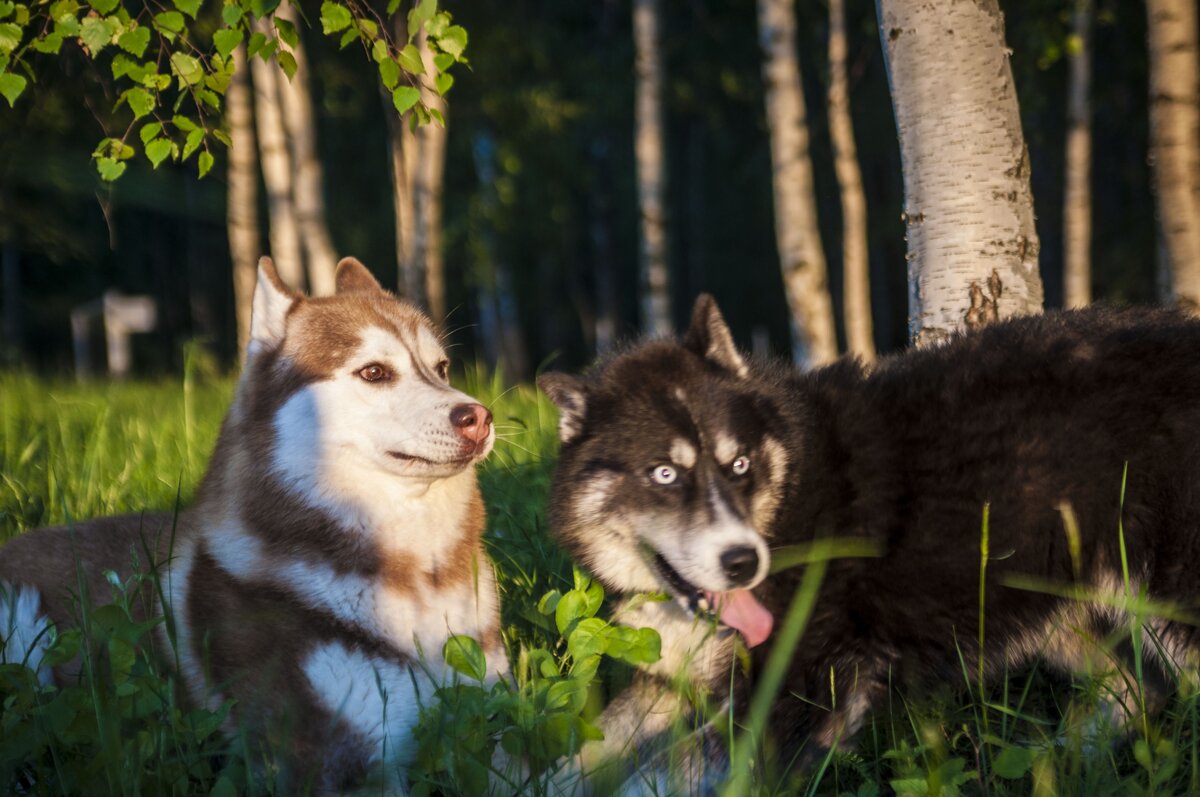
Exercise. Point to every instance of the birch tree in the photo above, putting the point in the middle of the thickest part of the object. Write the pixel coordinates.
(1077, 197)
(242, 204)
(972, 247)
(418, 157)
(651, 168)
(801, 257)
(1175, 140)
(856, 285)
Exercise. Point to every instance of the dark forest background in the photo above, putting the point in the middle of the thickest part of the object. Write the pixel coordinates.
(552, 83)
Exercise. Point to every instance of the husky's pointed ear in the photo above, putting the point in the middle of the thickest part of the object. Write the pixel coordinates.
(352, 276)
(709, 337)
(569, 394)
(272, 300)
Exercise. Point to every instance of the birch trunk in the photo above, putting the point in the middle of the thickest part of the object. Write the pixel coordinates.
(241, 212)
(309, 189)
(801, 258)
(1175, 140)
(651, 168)
(277, 169)
(856, 284)
(972, 246)
(418, 174)
(1077, 197)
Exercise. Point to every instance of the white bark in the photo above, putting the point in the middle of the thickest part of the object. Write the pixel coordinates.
(242, 208)
(651, 168)
(1077, 197)
(276, 160)
(972, 246)
(309, 189)
(418, 174)
(856, 283)
(1175, 140)
(801, 257)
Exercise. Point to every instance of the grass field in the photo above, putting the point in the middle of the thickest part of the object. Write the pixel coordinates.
(70, 451)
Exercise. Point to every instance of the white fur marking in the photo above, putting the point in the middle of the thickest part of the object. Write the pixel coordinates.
(725, 448)
(24, 630)
(683, 453)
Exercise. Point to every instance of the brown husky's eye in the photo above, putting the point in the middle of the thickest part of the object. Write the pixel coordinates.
(375, 373)
(443, 370)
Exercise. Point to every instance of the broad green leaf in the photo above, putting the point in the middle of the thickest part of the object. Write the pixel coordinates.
(410, 59)
(588, 638)
(389, 73)
(11, 87)
(170, 21)
(141, 102)
(443, 82)
(593, 595)
(570, 608)
(97, 33)
(135, 41)
(437, 26)
(454, 40)
(443, 61)
(334, 17)
(369, 29)
(206, 162)
(67, 25)
(189, 7)
(183, 123)
(104, 7)
(6, 9)
(549, 601)
(22, 14)
(209, 98)
(569, 695)
(585, 669)
(223, 788)
(379, 51)
(10, 36)
(405, 97)
(392, 6)
(50, 43)
(226, 40)
(109, 168)
(436, 115)
(464, 655)
(187, 68)
(192, 143)
(257, 40)
(231, 14)
(287, 62)
(419, 15)
(1013, 762)
(222, 136)
(287, 31)
(348, 38)
(157, 150)
(150, 130)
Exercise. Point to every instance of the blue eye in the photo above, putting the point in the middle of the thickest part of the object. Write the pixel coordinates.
(664, 474)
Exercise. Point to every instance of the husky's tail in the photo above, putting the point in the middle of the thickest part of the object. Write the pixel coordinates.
(24, 631)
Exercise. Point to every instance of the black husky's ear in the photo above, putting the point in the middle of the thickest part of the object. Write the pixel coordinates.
(352, 276)
(709, 337)
(570, 396)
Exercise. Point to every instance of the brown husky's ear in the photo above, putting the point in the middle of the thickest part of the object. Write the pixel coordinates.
(569, 394)
(709, 337)
(272, 301)
(353, 276)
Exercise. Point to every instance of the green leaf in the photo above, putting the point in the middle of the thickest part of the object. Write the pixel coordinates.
(453, 41)
(334, 17)
(109, 168)
(11, 87)
(392, 6)
(187, 68)
(150, 130)
(189, 7)
(405, 97)
(6, 9)
(436, 116)
(443, 61)
(157, 150)
(443, 83)
(141, 102)
(97, 33)
(410, 59)
(1013, 762)
(193, 142)
(389, 73)
(50, 43)
(421, 14)
(379, 51)
(10, 36)
(588, 638)
(135, 41)
(206, 162)
(464, 655)
(257, 40)
(226, 40)
(183, 123)
(570, 608)
(169, 21)
(569, 696)
(549, 601)
(348, 38)
(287, 31)
(287, 62)
(437, 26)
(104, 7)
(231, 14)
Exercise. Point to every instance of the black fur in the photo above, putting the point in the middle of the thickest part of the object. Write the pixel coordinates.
(1025, 415)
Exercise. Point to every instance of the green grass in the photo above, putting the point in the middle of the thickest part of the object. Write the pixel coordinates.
(72, 451)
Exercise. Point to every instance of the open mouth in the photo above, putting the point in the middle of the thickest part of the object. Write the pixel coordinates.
(737, 608)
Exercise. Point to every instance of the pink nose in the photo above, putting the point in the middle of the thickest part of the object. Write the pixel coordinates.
(472, 421)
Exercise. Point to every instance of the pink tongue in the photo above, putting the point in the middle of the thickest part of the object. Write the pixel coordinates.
(740, 610)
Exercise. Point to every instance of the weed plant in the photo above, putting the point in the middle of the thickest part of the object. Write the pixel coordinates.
(71, 451)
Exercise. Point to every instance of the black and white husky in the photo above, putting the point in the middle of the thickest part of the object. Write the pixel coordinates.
(334, 546)
(683, 464)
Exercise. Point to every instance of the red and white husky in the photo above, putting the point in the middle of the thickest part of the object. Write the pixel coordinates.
(335, 544)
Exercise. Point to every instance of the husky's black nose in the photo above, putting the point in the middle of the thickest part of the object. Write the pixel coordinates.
(740, 564)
